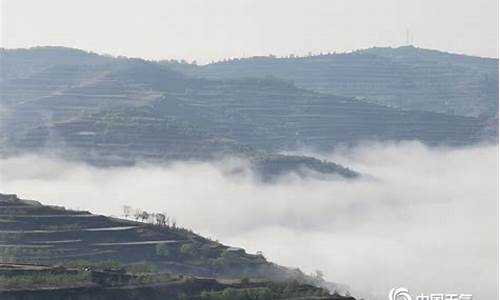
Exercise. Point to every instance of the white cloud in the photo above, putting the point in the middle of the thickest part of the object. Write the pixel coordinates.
(425, 220)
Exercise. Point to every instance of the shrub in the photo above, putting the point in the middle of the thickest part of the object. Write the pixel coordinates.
(244, 281)
(162, 250)
(188, 250)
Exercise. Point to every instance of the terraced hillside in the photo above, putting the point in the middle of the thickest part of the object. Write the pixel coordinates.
(406, 77)
(116, 110)
(110, 115)
(49, 252)
(275, 115)
(82, 281)
(34, 233)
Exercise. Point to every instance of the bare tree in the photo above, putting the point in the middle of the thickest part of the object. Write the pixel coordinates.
(137, 215)
(160, 219)
(144, 216)
(126, 211)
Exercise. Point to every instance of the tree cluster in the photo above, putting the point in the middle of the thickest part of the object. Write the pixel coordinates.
(160, 219)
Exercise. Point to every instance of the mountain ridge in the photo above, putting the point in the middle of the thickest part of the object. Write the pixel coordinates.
(135, 109)
(456, 84)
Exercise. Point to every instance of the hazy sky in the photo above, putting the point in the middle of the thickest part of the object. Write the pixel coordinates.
(210, 30)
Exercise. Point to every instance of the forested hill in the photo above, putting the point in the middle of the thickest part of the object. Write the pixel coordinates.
(404, 77)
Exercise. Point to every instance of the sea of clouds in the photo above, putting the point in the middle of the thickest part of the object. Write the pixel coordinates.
(421, 218)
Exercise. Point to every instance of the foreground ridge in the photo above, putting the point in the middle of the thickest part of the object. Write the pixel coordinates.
(55, 252)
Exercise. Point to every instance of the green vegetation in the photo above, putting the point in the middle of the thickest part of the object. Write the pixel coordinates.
(286, 290)
(189, 250)
(150, 279)
(5, 235)
(95, 265)
(163, 250)
(272, 166)
(45, 280)
(109, 265)
(183, 296)
(108, 274)
(206, 251)
(229, 260)
(283, 290)
(18, 251)
(144, 268)
(131, 275)
(239, 294)
(245, 281)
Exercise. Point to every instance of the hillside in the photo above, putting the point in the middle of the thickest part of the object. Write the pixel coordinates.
(108, 111)
(34, 233)
(405, 77)
(55, 253)
(116, 114)
(106, 281)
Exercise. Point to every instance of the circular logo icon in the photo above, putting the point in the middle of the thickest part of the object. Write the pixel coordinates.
(399, 294)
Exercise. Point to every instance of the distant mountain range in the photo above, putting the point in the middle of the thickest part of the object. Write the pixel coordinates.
(110, 110)
(407, 77)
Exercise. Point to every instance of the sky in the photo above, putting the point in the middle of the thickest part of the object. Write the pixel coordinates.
(212, 30)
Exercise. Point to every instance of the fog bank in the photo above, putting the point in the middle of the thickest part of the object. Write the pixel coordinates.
(425, 219)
